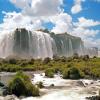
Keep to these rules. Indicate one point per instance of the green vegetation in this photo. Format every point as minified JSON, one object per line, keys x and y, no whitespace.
{"x":40,"y":84}
{"x":84,"y":66}
{"x":22,"y":86}
{"x":49,"y":72}
{"x":72,"y":73}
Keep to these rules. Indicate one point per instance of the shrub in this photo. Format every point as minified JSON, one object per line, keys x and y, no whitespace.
{"x":46,"y":60}
{"x":49,"y":72}
{"x":31,"y":61}
{"x":65,"y":74}
{"x":40,"y":84}
{"x":12,"y":61}
{"x":63,"y":59}
{"x":75,"y":56}
{"x":69,"y":65}
{"x":56,"y":58}
{"x":21,"y":85}
{"x":86,"y":57}
{"x":72,"y":73}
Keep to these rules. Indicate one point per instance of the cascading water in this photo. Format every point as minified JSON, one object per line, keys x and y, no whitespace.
{"x":38,"y":44}
{"x":67,"y":45}
{"x":6,"y":45}
{"x":32,"y":44}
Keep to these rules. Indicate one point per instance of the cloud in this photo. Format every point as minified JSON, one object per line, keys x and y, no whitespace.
{"x":39,"y":7}
{"x":84,"y":32}
{"x":62,"y":22}
{"x":88,"y":36}
{"x":90,"y":42}
{"x":82,"y":28}
{"x":83,"y":22}
{"x":77,"y":6}
{"x":13,"y":20}
{"x":32,"y":15}
{"x":76,"y":9}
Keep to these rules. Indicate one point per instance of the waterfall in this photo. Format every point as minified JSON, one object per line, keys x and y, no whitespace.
{"x":42,"y":44}
{"x":70,"y":48}
{"x":6,"y":45}
{"x":38,"y":44}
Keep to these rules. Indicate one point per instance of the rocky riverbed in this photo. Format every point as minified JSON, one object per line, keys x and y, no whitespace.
{"x":60,"y":89}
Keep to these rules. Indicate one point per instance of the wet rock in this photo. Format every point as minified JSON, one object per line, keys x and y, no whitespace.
{"x":1,"y":84}
{"x":9,"y":97}
{"x":93,"y":98}
{"x":80,"y":83}
{"x":52,"y":85}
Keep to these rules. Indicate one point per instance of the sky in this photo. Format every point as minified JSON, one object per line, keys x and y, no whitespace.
{"x":77,"y":17}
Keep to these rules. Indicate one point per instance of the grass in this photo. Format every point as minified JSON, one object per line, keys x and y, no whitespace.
{"x":89,"y":67}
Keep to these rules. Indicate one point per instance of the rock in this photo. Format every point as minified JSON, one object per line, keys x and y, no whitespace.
{"x":93,"y":98}
{"x":81,"y":83}
{"x":11,"y":97}
{"x":52,"y":85}
{"x":1,"y":84}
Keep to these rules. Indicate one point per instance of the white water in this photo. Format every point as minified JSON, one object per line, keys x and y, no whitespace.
{"x":37,"y":44}
{"x":42,"y":45}
{"x":6,"y":45}
{"x":61,"y":95}
{"x":71,"y":90}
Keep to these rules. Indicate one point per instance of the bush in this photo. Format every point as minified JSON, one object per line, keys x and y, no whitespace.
{"x":12,"y":61}
{"x":86,"y":57}
{"x":22,"y":86}
{"x":65,"y":74}
{"x":49,"y":73}
{"x":69,"y":65}
{"x":75,"y":56}
{"x":40,"y":85}
{"x":63,"y":59}
{"x":31,"y":61}
{"x":46,"y":60}
{"x":72,"y":73}
{"x":56,"y":58}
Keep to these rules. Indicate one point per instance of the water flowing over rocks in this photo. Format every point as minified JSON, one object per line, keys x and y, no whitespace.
{"x":62,"y":89}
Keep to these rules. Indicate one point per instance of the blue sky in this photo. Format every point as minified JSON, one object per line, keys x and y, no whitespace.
{"x":88,"y":11}
{"x":91,"y":9}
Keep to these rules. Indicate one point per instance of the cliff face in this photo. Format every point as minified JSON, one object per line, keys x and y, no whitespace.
{"x":67,"y":45}
{"x":38,"y":44}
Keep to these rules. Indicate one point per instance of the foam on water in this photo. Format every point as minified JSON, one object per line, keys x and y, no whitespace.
{"x":61,"y":95}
